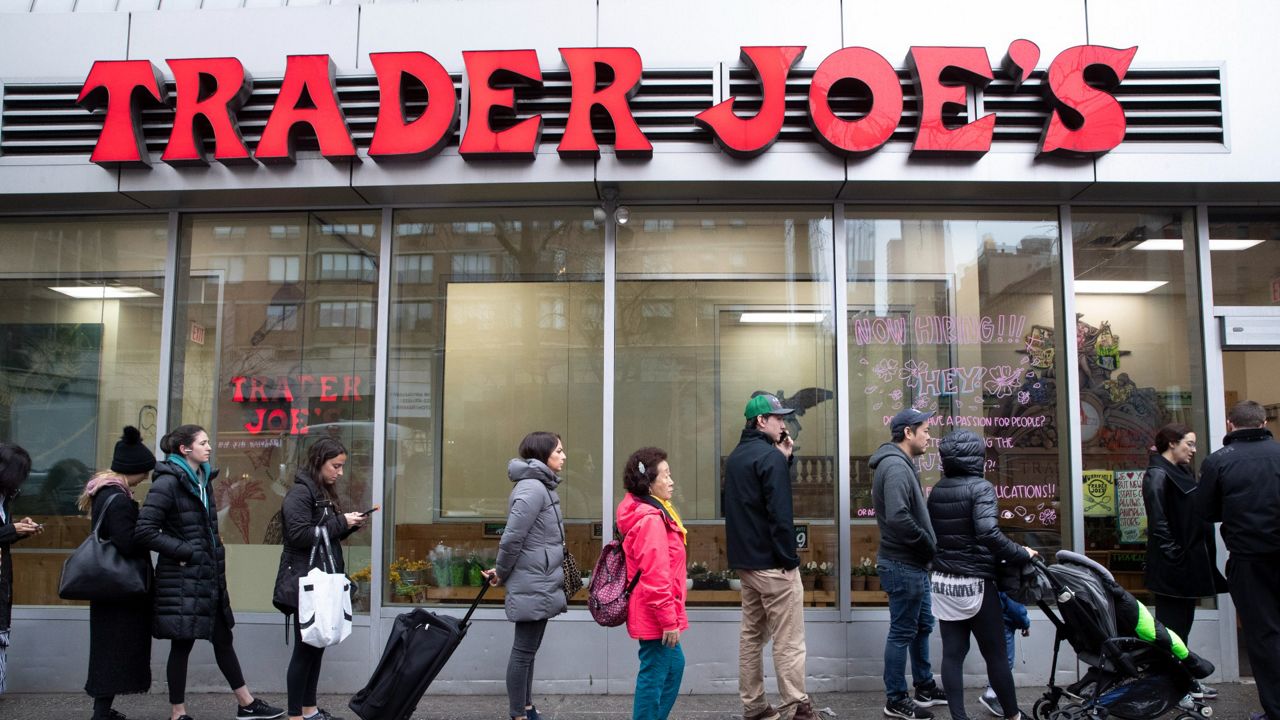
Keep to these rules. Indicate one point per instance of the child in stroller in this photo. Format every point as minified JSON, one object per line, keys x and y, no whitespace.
{"x":1138,"y":669}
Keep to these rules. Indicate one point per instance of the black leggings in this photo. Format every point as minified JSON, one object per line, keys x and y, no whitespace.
{"x":988,"y":627}
{"x":223,"y":653}
{"x":304,"y":672}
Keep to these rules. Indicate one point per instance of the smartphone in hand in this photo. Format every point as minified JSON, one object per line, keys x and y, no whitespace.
{"x":371,"y":510}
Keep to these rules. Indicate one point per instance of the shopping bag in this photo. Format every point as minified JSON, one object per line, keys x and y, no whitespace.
{"x":324,"y":598}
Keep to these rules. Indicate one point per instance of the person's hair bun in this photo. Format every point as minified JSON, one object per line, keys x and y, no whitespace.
{"x":131,"y":435}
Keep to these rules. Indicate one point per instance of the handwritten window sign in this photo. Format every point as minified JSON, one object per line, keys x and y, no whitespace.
{"x":1099,"y":493}
{"x":1131,"y":515}
{"x":802,"y":537}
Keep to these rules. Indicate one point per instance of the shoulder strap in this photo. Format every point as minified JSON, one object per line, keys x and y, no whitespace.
{"x":326,"y":553}
{"x":102,"y":516}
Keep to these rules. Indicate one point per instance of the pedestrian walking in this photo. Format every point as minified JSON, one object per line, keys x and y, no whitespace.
{"x":15,"y":466}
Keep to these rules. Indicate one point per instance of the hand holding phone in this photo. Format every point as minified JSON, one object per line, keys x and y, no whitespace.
{"x":371,"y":510}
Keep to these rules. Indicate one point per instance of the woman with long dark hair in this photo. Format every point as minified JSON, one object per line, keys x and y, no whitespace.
{"x":653,"y":540}
{"x":1181,"y":550}
{"x":15,"y":466}
{"x":179,"y":521}
{"x":311,"y":503}
{"x":529,"y":560}
{"x":962,"y":510}
{"x":120,"y":629}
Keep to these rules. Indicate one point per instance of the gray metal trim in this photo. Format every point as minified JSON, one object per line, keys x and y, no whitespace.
{"x":1215,"y":407}
{"x":609,"y":360}
{"x":381,"y":357}
{"x":1067,"y":367}
{"x":168,"y":320}
{"x":844,"y":506}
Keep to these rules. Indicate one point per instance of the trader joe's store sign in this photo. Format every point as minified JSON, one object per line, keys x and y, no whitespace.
{"x":1085,"y":118}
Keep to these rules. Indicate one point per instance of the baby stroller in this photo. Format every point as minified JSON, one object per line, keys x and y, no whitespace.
{"x":1138,"y":669}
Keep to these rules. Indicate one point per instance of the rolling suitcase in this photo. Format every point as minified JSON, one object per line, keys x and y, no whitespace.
{"x":420,"y":645}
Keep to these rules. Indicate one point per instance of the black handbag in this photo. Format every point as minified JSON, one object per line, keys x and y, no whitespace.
{"x":98,"y":571}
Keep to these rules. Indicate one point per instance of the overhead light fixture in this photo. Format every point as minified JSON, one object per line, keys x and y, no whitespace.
{"x":103,"y":292}
{"x":782,"y":318}
{"x":1117,"y":287}
{"x":1224,"y":244}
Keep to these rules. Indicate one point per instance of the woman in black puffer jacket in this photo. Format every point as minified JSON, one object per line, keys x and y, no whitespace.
{"x":312,"y":502}
{"x":962,"y":509}
{"x":179,"y":520}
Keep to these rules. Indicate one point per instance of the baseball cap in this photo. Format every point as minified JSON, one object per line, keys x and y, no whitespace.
{"x":906,"y":418}
{"x":765,"y":404}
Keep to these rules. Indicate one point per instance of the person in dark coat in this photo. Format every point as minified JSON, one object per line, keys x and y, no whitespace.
{"x":311,"y":503}
{"x":1181,"y":549}
{"x":1240,"y":488}
{"x":179,"y":521}
{"x":966,"y":601}
{"x":15,"y":466}
{"x":119,"y":630}
{"x":530,"y":557}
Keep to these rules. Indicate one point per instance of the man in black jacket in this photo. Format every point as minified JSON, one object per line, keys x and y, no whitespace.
{"x":1240,"y":487}
{"x":761,"y":544}
{"x":907,"y":546}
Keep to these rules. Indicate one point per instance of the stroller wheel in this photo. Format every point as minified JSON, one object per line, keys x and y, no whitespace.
{"x":1205,"y":711}
{"x":1044,"y":708}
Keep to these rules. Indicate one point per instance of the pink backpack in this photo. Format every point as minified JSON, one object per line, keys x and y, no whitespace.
{"x":609,"y":590}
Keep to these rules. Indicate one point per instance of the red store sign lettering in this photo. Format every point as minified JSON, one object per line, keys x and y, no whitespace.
{"x":1085,"y":119}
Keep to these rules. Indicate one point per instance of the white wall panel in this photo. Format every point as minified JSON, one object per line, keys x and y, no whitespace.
{"x":444,"y":28}
{"x":59,"y":47}
{"x":262,"y":39}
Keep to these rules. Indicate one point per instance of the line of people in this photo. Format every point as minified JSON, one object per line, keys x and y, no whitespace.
{"x":939,"y":559}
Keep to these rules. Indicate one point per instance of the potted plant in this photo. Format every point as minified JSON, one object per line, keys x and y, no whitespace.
{"x":716,"y":580}
{"x":873,"y":577}
{"x":360,"y":598}
{"x":826,"y":578}
{"x":735,"y":582}
{"x":441,"y":557}
{"x":859,"y":576}
{"x":697,"y":576}
{"x":809,"y":575}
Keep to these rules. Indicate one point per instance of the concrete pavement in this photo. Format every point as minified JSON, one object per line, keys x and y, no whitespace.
{"x":1235,"y":703}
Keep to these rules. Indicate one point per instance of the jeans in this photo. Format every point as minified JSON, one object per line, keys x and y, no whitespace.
{"x":910,"y":623}
{"x":520,"y":665}
{"x":658,"y":683}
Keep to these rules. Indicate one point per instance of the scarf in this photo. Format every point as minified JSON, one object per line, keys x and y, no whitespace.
{"x":102,"y":480}
{"x":671,"y":511}
{"x":202,"y":488}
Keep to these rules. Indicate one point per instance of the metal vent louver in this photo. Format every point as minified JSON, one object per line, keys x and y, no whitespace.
{"x":1161,"y":105}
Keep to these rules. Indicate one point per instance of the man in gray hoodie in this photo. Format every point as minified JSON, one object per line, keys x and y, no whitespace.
{"x":907,"y":546}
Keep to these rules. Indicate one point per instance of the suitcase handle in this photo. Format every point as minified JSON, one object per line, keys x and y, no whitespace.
{"x":484,"y":588}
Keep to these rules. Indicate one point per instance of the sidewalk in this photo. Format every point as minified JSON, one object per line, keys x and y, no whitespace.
{"x":1235,"y":703}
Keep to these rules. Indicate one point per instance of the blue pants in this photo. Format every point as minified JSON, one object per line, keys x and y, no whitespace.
{"x":658,"y":684}
{"x":910,"y":624}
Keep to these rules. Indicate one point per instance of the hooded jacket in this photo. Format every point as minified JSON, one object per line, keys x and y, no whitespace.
{"x":1181,"y":550}
{"x":962,"y":508}
{"x":191,"y":574}
{"x":303,"y":509}
{"x":8,"y":536}
{"x":760,"y":531}
{"x":905,"y":532}
{"x":654,"y":547}
{"x":1240,"y":488}
{"x":531,"y":550}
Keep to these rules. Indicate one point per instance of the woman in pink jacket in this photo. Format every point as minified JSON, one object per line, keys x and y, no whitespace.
{"x":654,"y":540}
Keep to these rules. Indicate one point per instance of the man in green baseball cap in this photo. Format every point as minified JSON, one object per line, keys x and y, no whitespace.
{"x":761,"y":545}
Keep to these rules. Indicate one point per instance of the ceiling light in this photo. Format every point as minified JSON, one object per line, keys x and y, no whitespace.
{"x":785,"y":318}
{"x":1218,"y":244}
{"x":103,"y":292}
{"x":1117,"y":287}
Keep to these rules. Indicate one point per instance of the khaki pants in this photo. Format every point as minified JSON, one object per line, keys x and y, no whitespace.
{"x":772,"y":609}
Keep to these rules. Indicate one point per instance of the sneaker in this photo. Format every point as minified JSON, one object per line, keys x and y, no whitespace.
{"x":991,"y":704}
{"x":804,"y":711}
{"x":112,"y":714}
{"x":929,"y":694}
{"x":906,"y":710}
{"x":258,"y":710}
{"x":768,"y":713}
{"x":1186,"y":703}
{"x":1203,"y":692}
{"x":322,"y":714}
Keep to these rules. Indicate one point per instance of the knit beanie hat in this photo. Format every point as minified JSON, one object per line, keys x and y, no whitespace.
{"x":131,"y":456}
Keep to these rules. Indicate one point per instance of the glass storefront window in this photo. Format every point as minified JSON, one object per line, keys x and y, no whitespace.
{"x":274,"y":347}
{"x":953,"y":311}
{"x":1244,"y":246}
{"x":80,"y":319}
{"x":714,"y":305}
{"x":497,"y":330}
{"x":1138,"y":321}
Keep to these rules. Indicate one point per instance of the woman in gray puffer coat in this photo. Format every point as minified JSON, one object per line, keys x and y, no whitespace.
{"x":529,"y":558}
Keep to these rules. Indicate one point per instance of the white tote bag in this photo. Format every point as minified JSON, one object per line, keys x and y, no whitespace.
{"x":324,"y":599}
